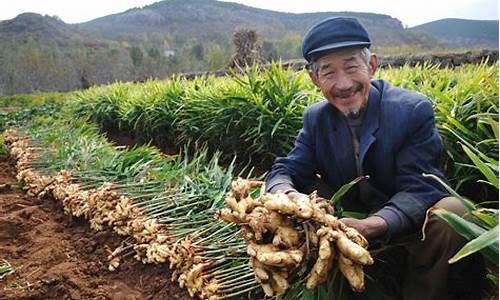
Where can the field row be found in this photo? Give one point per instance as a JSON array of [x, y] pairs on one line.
[[257, 116]]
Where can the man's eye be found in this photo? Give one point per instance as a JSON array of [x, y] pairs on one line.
[[351, 68]]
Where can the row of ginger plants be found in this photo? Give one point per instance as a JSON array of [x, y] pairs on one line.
[[256, 115], [162, 205], [221, 237]]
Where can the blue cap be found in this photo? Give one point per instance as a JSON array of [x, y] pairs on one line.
[[334, 33]]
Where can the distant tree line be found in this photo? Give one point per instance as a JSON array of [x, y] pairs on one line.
[[33, 65]]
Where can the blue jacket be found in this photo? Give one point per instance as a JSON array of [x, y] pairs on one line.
[[398, 142]]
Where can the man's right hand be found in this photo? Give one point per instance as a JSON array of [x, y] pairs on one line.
[[305, 201], [371, 227], [297, 196]]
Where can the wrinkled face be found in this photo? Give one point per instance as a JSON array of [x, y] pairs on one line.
[[344, 78]]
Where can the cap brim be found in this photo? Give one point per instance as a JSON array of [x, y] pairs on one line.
[[335, 46]]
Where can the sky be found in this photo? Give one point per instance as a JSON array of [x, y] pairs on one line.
[[410, 13]]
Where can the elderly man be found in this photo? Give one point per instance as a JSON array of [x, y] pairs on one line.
[[368, 127]]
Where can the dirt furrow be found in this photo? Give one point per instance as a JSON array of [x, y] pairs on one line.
[[59, 257]]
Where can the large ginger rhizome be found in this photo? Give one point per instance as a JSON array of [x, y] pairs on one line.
[[285, 237]]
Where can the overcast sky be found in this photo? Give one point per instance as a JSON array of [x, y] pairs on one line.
[[411, 13]]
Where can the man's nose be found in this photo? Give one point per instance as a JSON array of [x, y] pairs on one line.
[[343, 83]]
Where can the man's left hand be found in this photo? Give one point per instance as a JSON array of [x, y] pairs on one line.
[[370, 227]]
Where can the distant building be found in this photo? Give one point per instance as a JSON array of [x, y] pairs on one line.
[[168, 53]]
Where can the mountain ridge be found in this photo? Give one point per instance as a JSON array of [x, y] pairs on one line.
[[181, 21], [43, 53], [47, 29], [194, 17], [455, 32]]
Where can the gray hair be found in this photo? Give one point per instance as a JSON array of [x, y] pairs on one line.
[[364, 52]]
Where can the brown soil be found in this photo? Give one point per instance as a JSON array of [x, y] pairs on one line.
[[128, 140], [57, 257], [12, 108]]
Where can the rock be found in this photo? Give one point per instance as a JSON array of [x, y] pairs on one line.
[[5, 187], [50, 280]]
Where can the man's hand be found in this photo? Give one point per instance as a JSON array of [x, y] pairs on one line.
[[297, 196], [370, 227]]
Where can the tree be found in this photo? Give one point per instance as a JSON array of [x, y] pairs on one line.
[[154, 53], [197, 51], [248, 52], [289, 46], [136, 55], [215, 58], [269, 51]]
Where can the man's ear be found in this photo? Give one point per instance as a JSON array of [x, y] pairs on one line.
[[373, 64], [314, 78]]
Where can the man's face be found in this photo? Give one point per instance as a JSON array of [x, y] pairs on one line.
[[344, 78]]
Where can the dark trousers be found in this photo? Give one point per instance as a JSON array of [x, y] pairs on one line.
[[428, 270], [412, 269]]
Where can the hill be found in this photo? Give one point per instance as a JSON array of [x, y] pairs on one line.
[[460, 33], [42, 53], [46, 30], [209, 20]]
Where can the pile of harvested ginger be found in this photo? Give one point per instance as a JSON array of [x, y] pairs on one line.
[[290, 240]]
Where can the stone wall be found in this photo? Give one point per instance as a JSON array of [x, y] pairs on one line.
[[448, 59]]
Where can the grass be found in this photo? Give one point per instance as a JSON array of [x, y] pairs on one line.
[[3, 148], [28, 100], [6, 268]]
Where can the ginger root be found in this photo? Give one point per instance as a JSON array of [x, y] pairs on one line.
[[301, 208], [352, 272], [282, 234], [324, 263], [353, 251], [270, 255]]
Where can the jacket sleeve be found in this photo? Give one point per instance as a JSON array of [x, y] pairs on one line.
[[420, 154], [298, 169]]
